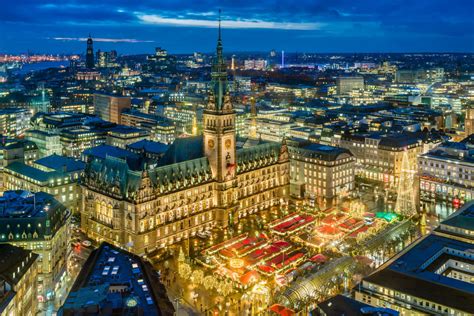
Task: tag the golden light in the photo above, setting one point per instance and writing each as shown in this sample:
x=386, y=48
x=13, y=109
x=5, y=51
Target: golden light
x=236, y=263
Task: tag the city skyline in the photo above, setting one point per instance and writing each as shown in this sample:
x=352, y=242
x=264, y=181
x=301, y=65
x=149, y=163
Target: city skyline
x=338, y=27
x=212, y=158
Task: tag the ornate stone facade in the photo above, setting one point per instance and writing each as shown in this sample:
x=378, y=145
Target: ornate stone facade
x=199, y=183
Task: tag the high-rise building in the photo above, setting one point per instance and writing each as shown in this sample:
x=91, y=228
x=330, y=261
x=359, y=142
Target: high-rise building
x=90, y=54
x=109, y=107
x=18, y=281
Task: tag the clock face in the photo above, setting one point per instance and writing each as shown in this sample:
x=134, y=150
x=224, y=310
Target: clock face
x=210, y=143
x=228, y=143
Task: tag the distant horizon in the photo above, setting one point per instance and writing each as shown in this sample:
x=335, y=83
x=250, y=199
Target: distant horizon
x=32, y=53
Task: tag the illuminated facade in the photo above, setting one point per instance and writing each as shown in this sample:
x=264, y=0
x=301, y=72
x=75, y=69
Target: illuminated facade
x=160, y=128
x=110, y=107
x=18, y=277
x=320, y=171
x=446, y=174
x=14, y=121
x=379, y=158
x=39, y=223
x=56, y=175
x=199, y=183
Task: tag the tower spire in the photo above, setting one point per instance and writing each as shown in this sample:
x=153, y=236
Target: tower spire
x=219, y=39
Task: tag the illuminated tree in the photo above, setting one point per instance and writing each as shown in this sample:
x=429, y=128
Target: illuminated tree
x=227, y=288
x=209, y=282
x=197, y=276
x=181, y=257
x=405, y=204
x=184, y=270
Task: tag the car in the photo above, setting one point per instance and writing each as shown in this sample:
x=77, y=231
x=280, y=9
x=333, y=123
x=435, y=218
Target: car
x=86, y=243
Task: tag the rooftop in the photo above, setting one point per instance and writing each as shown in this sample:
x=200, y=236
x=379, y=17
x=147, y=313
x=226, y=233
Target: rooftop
x=11, y=258
x=61, y=163
x=343, y=305
x=462, y=219
x=149, y=146
x=104, y=150
x=24, y=204
x=113, y=278
x=325, y=152
x=410, y=273
x=32, y=172
x=123, y=129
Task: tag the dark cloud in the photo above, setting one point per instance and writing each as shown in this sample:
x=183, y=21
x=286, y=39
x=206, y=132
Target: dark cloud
x=293, y=25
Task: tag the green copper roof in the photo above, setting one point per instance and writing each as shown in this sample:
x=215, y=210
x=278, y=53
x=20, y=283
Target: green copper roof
x=181, y=175
x=259, y=156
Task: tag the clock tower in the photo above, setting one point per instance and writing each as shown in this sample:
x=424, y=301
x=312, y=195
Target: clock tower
x=219, y=136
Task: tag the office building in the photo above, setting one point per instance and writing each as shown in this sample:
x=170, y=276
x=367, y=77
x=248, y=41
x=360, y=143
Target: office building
x=121, y=136
x=255, y=64
x=74, y=141
x=48, y=143
x=56, y=175
x=14, y=150
x=344, y=305
x=321, y=172
x=14, y=121
x=109, y=107
x=160, y=128
x=182, y=116
x=348, y=84
x=379, y=156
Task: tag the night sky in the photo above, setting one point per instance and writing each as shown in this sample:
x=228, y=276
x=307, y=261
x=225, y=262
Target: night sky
x=60, y=26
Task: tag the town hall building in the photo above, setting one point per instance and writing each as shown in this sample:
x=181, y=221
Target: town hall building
x=198, y=183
